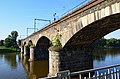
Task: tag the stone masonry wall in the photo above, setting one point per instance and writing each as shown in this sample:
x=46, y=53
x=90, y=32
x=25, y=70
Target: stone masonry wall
x=75, y=60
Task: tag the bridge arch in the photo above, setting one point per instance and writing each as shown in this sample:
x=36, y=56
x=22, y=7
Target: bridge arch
x=24, y=43
x=42, y=46
x=30, y=43
x=94, y=31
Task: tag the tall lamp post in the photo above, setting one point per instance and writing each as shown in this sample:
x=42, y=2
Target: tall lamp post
x=39, y=20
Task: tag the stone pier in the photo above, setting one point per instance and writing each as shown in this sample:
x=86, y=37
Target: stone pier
x=73, y=60
x=22, y=51
x=32, y=50
x=54, y=61
x=25, y=50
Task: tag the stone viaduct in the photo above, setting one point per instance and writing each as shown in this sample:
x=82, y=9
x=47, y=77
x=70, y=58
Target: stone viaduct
x=79, y=29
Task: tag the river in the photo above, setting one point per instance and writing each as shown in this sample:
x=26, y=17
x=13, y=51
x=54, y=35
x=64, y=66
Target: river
x=14, y=67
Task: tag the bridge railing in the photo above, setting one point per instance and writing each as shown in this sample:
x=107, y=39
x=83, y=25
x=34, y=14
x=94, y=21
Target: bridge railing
x=107, y=72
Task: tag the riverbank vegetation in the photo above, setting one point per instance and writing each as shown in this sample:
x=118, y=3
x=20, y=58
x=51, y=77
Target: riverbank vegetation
x=107, y=43
x=4, y=49
x=10, y=43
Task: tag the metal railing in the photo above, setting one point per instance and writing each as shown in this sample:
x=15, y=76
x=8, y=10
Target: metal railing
x=107, y=72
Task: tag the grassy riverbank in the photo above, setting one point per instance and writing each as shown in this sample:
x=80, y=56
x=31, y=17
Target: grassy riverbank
x=4, y=49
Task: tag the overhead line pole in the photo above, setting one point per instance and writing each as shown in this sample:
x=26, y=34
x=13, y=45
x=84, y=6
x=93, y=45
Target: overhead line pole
x=40, y=20
x=31, y=28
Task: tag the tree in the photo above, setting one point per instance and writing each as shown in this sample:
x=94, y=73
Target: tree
x=1, y=42
x=112, y=42
x=14, y=35
x=10, y=41
x=118, y=42
x=99, y=43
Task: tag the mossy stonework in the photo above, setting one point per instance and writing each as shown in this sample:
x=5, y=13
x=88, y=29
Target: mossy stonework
x=55, y=48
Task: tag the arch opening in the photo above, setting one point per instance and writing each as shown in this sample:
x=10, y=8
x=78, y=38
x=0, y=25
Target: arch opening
x=28, y=47
x=30, y=43
x=24, y=43
x=42, y=46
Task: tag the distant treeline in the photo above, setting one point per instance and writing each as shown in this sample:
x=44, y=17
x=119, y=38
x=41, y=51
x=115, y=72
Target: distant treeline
x=107, y=43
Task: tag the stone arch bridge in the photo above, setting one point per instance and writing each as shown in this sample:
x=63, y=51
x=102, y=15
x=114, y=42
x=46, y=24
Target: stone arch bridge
x=79, y=29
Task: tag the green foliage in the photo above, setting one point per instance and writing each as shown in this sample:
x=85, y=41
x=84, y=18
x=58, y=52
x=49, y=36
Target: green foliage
x=112, y=42
x=1, y=42
x=56, y=41
x=10, y=41
x=30, y=44
x=14, y=35
x=107, y=43
x=99, y=43
x=4, y=49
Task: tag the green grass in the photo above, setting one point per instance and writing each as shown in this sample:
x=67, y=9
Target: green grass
x=4, y=49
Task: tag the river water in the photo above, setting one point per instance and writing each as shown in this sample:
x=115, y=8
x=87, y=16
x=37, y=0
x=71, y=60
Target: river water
x=14, y=67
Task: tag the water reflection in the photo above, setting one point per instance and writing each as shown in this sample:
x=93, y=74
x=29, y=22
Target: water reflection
x=14, y=67
x=35, y=69
x=105, y=57
x=10, y=59
x=10, y=67
x=102, y=54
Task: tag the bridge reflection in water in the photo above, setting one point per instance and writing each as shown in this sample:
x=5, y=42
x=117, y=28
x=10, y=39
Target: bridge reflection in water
x=40, y=69
x=35, y=69
x=101, y=58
